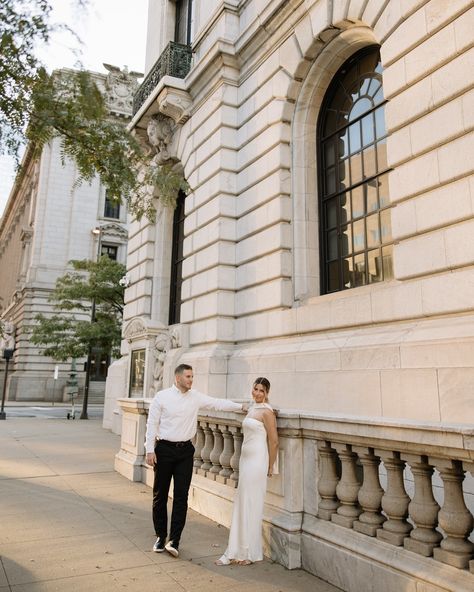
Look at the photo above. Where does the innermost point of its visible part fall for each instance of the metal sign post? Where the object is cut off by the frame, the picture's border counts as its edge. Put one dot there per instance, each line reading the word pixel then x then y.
pixel 55 378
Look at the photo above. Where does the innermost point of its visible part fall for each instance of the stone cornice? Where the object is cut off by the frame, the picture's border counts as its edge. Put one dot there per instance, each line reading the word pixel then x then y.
pixel 220 63
pixel 114 230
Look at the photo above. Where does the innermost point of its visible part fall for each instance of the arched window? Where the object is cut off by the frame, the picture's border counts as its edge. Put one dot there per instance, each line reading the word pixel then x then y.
pixel 354 205
pixel 177 260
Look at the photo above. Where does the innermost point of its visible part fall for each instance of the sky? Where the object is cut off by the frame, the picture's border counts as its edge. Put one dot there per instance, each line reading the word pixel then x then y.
pixel 111 31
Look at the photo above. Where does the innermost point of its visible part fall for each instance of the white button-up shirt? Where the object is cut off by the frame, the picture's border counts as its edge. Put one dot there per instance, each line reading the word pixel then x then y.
pixel 173 415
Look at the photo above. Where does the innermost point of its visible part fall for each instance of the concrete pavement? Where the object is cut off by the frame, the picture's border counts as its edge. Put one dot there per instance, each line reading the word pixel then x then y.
pixel 69 523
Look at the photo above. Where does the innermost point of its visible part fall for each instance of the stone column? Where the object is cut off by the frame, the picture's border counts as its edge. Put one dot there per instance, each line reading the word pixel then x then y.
pixel 454 517
pixel 347 489
pixel 328 480
pixel 206 450
pixel 235 458
pixel 423 508
pixel 216 451
pixel 198 445
pixel 394 501
pixel 226 455
pixel 370 494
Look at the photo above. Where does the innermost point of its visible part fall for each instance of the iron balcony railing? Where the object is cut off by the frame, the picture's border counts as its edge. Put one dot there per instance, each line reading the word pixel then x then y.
pixel 174 61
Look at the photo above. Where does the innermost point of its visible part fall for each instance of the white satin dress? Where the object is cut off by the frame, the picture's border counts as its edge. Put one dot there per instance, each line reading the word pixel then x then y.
pixel 245 538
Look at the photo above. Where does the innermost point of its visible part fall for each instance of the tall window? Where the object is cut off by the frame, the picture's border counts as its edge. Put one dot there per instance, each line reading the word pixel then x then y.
pixel 355 227
pixel 100 362
pixel 111 208
pixel 177 260
pixel 183 28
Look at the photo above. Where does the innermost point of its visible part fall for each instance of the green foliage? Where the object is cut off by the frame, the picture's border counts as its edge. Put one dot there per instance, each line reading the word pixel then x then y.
pixel 23 23
pixel 92 290
pixel 36 106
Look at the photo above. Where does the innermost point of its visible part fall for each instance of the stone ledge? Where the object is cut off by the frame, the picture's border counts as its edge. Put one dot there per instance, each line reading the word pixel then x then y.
pixel 395 566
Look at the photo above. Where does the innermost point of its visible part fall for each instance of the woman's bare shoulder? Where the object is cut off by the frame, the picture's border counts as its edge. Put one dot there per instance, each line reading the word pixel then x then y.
pixel 268 413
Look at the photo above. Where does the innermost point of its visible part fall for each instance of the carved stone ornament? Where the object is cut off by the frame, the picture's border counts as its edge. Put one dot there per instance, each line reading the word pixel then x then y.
pixel 160 132
pixel 175 103
pixel 135 328
pixel 165 341
pixel 120 86
pixel 7 341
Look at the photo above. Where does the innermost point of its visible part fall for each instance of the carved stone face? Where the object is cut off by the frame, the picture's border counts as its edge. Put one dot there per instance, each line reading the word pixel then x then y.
pixel 160 132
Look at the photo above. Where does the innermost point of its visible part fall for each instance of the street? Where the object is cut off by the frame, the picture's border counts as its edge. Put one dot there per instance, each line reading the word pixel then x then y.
pixel 49 411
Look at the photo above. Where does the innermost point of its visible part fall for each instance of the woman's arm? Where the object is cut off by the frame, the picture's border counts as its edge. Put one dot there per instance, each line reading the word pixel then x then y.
pixel 269 421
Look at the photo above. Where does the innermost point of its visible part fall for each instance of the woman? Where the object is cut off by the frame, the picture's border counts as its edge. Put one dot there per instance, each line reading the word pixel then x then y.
pixel 258 455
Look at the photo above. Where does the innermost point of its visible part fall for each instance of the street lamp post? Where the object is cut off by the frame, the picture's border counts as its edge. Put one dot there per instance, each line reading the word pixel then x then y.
pixel 8 355
pixel 96 232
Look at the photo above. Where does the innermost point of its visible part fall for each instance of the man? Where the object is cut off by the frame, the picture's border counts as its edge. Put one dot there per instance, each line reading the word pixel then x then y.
pixel 172 423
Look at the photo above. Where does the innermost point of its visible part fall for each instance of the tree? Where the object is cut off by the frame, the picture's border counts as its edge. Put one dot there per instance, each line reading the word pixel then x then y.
pixel 89 301
pixel 36 106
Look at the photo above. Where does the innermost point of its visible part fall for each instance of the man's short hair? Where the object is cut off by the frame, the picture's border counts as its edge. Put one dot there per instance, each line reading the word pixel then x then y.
pixel 181 368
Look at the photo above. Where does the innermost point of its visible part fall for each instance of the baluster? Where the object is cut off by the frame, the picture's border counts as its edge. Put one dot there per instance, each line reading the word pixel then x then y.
pixel 347 489
pixel 235 458
pixel 198 445
pixel 394 501
pixel 216 451
pixel 423 508
pixel 469 467
pixel 327 481
pixel 454 517
pixel 226 455
pixel 370 494
pixel 206 450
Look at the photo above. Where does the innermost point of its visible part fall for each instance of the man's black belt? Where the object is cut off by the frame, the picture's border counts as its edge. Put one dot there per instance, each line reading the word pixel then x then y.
pixel 175 444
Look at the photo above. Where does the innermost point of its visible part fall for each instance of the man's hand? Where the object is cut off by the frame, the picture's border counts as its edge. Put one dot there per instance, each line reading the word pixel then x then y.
pixel 245 407
pixel 151 459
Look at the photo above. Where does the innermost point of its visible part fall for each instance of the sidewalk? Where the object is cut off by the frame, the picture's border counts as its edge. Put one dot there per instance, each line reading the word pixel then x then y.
pixel 69 523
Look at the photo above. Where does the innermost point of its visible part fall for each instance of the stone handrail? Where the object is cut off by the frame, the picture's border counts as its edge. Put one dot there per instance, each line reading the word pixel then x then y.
pixel 403 484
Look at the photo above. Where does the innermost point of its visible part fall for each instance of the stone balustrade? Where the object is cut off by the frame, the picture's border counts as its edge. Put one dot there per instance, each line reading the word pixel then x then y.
pixel 383 498
pixel 217 450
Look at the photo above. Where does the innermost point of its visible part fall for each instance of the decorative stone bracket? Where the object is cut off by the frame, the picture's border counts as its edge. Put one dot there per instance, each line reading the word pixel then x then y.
pixel 175 103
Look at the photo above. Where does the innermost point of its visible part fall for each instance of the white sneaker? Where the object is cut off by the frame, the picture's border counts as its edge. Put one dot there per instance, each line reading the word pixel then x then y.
pixel 172 549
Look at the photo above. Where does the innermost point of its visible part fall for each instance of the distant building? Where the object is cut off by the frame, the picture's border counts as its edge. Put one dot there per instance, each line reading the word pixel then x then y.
pixel 48 221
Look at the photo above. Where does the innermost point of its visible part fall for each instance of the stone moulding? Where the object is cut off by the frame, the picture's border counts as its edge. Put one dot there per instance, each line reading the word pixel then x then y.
pixel 135 329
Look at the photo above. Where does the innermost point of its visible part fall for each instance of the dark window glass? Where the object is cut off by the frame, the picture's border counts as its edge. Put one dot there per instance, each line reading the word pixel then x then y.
pixel 109 251
pixel 177 260
pixel 356 233
pixel 183 21
pixel 111 208
pixel 100 361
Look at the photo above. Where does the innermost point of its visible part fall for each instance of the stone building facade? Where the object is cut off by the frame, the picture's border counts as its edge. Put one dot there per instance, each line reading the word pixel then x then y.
pixel 328 244
pixel 284 215
pixel 49 220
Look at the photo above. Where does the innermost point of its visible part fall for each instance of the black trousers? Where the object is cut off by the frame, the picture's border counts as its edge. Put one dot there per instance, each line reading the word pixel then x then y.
pixel 171 462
